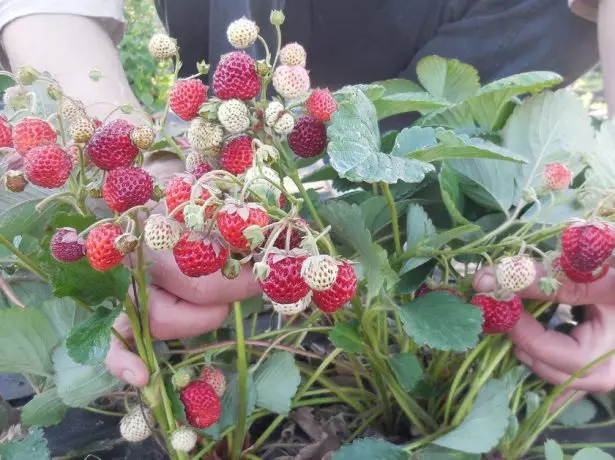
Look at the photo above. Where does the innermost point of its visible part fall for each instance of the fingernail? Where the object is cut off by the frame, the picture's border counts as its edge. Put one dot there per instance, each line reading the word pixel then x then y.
pixel 485 282
pixel 524 358
pixel 129 377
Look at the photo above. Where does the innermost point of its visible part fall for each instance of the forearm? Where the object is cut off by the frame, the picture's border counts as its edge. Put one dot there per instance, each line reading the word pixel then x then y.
pixel 73 45
pixel 606 42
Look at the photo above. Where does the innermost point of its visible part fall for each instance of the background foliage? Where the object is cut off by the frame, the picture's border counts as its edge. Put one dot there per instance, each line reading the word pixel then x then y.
pixel 148 79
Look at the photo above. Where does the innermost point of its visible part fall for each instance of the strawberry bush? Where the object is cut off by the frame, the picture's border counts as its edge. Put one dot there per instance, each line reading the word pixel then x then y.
pixel 373 250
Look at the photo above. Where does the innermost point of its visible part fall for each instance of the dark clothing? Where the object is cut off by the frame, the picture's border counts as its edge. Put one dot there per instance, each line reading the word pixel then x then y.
pixel 354 41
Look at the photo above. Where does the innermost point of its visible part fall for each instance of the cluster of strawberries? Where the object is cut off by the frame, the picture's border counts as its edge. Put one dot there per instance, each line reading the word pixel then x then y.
pixel 201 400
pixel 586 247
pixel 230 205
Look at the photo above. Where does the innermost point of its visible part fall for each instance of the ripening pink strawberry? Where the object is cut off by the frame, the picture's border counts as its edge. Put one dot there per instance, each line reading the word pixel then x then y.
pixel 556 176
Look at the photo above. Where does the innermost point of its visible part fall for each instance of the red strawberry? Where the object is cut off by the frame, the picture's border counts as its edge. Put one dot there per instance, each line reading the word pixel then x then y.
pixel 178 191
pixel 186 97
pixel 48 166
pixel 66 245
pixel 561 264
pixel 201 403
pixel 340 293
pixel 235 77
pixel 556 176
pixel 199 255
pixel 201 169
pixel 499 314
pixel 126 187
pixel 32 132
pixel 215 377
pixel 100 247
pixel 111 145
pixel 308 138
pixel 321 104
pixel 234 218
pixel 425 289
pixel 295 235
pixel 236 155
pixel 587 246
pixel 6 133
pixel 284 283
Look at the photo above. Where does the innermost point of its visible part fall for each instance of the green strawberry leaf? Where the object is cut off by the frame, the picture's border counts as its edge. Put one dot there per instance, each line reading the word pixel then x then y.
pixel 347 224
pixel 448 79
pixel 370 449
pixel 26 341
pixel 578 413
pixel 18 214
pixel 418 227
pixel 452 197
pixel 33 446
pixel 179 412
pixel 346 336
pixel 553 451
pixel 89 341
pixel 63 314
pixel 45 409
pixel 404 102
pixel 443 321
pixel 448 146
pixel 433 452
pixel 79 385
pixel 492 104
pixel 354 145
pixel 484 425
pixel 592 453
pixel 273 392
pixel 79 280
pixel 407 368
pixel 549 127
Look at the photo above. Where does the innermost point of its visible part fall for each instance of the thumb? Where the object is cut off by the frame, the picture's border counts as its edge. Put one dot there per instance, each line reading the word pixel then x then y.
pixel 569 292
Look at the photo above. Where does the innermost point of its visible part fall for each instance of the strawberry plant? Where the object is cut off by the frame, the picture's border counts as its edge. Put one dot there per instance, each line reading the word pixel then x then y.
pixel 381 267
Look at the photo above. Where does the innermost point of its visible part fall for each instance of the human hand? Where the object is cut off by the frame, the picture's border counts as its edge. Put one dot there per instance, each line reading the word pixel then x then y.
pixel 555 356
pixel 179 307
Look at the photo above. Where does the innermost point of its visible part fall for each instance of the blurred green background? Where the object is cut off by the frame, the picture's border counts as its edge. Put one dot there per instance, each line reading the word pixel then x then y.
pixel 150 80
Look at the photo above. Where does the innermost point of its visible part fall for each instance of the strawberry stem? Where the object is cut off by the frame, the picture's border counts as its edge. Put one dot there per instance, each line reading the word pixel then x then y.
pixel 386 190
pixel 242 371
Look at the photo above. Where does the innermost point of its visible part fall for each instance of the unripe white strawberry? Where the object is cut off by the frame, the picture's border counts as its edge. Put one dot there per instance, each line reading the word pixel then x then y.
pixel 293 308
pixel 203 135
pixel 233 115
pixel 319 272
pixel 81 130
pixel 71 110
pixel 262 187
pixel 197 157
pixel 284 125
pixel 161 47
pixel 515 273
pixel 143 137
pixel 291 81
pixel 556 176
pixel 15 98
pixel 181 378
pixel 135 426
pixel 293 54
pixel 242 33
pixel 273 112
pixel 161 233
pixel 183 439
